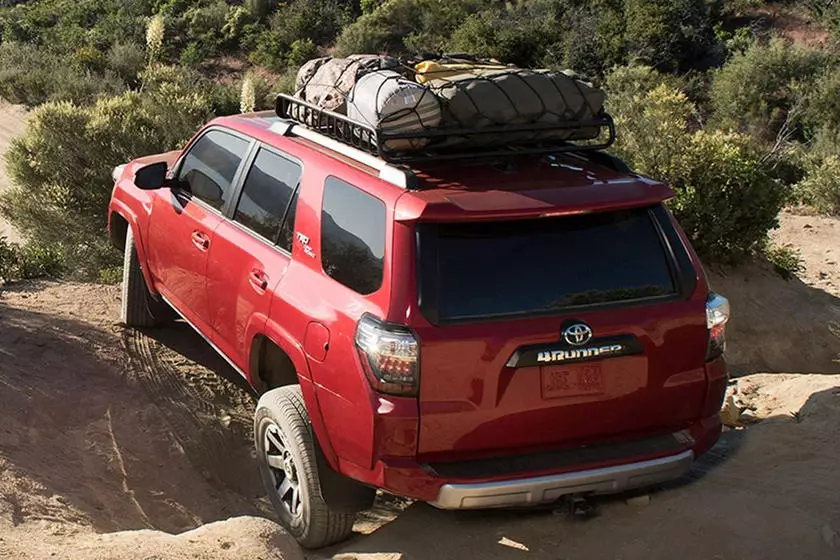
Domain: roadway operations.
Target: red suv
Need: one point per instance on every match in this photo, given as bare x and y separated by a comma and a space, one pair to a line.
473, 330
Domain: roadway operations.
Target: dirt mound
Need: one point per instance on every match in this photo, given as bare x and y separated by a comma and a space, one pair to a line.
784, 325
96, 436
241, 537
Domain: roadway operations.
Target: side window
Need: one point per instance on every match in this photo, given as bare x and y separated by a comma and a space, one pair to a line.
352, 236
211, 164
268, 189
287, 230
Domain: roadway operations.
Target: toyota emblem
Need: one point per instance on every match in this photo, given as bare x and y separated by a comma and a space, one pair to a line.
577, 334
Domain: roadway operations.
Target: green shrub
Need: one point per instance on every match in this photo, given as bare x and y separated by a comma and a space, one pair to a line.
301, 51
206, 25
127, 60
517, 33
260, 8
395, 26
61, 166
786, 260
194, 54
726, 200
820, 188
668, 34
757, 91
269, 51
33, 260
31, 76
110, 275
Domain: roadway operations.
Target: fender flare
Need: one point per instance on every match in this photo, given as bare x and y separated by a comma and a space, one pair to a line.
127, 214
281, 338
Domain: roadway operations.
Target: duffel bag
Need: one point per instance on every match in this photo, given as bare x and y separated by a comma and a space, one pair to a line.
389, 103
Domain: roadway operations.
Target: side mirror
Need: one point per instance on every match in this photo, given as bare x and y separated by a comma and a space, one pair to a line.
152, 176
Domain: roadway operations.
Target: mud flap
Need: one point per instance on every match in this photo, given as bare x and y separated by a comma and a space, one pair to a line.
339, 492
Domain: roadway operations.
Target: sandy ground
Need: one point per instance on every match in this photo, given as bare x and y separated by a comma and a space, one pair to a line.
12, 124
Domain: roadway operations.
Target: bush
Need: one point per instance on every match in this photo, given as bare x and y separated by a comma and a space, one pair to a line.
786, 260
668, 34
301, 51
31, 76
821, 186
726, 200
518, 33
395, 26
33, 260
757, 91
61, 166
127, 60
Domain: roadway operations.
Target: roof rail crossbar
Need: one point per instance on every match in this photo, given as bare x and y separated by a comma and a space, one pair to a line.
364, 137
402, 178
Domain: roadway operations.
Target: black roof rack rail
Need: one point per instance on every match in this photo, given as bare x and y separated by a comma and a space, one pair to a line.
369, 139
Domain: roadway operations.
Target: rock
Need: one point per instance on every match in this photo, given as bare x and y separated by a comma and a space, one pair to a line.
829, 535
731, 412
639, 501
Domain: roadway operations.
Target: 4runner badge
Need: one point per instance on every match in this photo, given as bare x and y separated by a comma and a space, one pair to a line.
553, 356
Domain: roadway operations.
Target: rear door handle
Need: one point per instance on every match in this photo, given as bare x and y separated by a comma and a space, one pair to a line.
200, 240
258, 280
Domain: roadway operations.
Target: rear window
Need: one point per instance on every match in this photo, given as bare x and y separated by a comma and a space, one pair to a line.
530, 267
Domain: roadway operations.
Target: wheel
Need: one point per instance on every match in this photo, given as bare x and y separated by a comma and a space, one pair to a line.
138, 308
288, 467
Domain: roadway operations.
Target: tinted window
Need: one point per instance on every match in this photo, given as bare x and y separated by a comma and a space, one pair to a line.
268, 188
352, 236
538, 266
287, 230
211, 164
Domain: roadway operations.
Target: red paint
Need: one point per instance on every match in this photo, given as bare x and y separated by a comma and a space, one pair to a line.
235, 287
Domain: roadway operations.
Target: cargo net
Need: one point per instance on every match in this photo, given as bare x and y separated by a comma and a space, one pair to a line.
446, 107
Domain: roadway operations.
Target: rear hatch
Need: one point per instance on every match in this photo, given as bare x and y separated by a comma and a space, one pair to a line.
556, 331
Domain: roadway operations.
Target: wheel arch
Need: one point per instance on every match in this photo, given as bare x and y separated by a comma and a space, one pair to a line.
120, 219
276, 360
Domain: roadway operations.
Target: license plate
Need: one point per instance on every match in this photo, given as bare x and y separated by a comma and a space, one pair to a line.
565, 381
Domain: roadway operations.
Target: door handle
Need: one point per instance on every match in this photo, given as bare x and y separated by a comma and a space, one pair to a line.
200, 240
258, 280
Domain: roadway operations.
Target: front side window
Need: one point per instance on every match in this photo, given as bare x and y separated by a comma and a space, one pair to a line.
210, 166
352, 236
266, 194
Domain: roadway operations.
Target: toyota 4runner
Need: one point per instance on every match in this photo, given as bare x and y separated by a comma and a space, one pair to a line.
496, 330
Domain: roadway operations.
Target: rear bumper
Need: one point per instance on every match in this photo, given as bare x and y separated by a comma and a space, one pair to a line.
545, 489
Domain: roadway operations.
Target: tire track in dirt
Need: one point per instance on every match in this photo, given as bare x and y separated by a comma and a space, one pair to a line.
212, 427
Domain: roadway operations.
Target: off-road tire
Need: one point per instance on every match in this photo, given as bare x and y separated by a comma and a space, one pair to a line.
138, 307
317, 525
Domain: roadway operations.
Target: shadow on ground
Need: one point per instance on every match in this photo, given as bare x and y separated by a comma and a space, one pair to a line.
92, 437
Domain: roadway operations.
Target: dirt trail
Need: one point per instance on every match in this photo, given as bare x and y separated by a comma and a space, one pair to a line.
96, 437
12, 124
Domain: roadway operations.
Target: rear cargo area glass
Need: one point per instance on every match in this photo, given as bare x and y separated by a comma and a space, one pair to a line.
538, 266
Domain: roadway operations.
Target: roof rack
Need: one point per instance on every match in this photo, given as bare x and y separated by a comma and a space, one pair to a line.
373, 141
395, 175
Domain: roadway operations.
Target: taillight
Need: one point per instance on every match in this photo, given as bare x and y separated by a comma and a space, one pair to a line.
390, 356
717, 315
